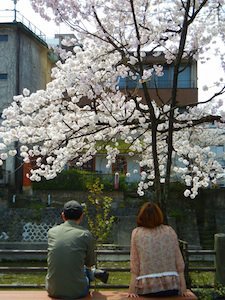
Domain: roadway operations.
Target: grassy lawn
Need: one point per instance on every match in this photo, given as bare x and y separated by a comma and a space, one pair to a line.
117, 277
22, 278
199, 278
202, 278
25, 278
39, 278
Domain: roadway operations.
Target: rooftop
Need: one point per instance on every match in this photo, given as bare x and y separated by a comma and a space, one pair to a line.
9, 15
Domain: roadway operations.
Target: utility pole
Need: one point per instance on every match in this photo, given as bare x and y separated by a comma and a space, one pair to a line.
15, 2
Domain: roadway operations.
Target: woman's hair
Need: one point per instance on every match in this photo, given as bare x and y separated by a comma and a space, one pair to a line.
150, 215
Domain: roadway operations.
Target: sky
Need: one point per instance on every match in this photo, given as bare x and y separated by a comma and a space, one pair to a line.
24, 8
207, 73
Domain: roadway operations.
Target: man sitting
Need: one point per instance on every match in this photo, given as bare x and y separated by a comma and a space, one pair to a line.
71, 256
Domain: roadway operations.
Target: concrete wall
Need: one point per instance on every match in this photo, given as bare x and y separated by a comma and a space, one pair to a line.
8, 66
34, 71
24, 57
195, 221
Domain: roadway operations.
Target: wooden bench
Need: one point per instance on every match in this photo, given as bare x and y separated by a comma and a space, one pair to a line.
101, 295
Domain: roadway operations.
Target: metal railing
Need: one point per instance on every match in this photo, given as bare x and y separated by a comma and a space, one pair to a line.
200, 269
10, 15
100, 254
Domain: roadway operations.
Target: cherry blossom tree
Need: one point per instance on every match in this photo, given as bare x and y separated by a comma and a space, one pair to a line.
83, 103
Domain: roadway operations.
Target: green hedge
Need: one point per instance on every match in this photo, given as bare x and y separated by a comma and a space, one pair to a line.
77, 180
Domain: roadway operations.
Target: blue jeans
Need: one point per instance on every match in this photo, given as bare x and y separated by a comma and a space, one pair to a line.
89, 277
89, 274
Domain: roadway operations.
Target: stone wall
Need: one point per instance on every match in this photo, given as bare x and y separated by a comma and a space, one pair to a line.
195, 221
31, 225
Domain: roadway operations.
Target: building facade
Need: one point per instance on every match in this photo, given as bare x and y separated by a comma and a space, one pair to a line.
24, 63
160, 87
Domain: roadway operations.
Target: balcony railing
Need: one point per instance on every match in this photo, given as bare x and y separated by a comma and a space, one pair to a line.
15, 16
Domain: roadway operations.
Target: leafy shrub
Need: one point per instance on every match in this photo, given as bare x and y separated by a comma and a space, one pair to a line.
98, 212
77, 180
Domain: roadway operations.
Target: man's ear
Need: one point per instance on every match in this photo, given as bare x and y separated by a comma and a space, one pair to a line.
81, 218
63, 216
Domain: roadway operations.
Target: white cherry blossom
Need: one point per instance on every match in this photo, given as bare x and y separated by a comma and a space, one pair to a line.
83, 111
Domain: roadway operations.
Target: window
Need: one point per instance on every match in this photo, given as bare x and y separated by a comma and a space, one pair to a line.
120, 165
3, 76
129, 83
87, 166
165, 81
3, 37
219, 151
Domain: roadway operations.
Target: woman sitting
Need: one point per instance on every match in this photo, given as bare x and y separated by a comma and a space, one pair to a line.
157, 265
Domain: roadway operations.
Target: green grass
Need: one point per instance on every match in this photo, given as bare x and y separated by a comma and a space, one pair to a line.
202, 278
117, 277
23, 278
39, 278
199, 278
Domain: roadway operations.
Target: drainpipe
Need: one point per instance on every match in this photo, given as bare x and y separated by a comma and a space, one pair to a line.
18, 168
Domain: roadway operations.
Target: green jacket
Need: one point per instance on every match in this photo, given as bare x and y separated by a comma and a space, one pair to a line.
70, 248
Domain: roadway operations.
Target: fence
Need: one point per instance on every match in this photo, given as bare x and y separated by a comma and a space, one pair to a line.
103, 255
42, 253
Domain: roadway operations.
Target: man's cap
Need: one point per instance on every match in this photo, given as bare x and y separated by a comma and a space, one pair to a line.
73, 205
